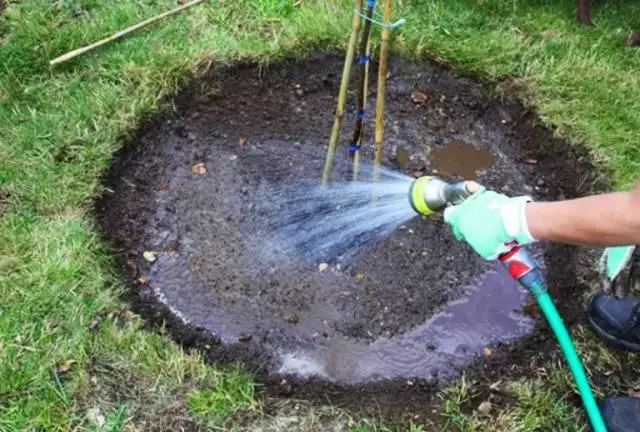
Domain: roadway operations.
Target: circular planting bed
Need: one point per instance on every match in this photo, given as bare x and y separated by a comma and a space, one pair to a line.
184, 210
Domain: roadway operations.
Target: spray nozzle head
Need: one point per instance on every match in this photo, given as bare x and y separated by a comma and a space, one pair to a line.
431, 194
417, 194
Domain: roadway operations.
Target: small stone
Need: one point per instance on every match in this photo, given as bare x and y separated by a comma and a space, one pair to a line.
233, 157
299, 92
191, 136
292, 318
485, 408
244, 337
285, 388
540, 182
199, 168
410, 383
242, 141
95, 417
150, 256
418, 97
142, 280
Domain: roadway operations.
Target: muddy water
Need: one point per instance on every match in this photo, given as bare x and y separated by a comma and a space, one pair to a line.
434, 350
461, 159
418, 304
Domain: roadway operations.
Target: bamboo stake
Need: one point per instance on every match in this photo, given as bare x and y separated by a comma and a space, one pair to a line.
382, 81
122, 33
342, 97
356, 156
362, 53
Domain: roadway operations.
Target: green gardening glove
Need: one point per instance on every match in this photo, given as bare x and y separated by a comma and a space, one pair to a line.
490, 222
616, 270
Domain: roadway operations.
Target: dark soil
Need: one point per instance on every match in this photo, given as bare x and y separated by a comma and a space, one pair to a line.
187, 186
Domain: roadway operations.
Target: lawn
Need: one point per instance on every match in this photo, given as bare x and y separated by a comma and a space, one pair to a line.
72, 354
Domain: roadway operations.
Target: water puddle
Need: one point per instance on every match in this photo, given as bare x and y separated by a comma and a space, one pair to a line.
466, 328
459, 159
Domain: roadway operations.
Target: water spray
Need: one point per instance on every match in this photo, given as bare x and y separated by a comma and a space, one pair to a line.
429, 195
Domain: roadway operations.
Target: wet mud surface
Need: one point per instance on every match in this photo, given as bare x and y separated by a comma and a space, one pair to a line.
417, 307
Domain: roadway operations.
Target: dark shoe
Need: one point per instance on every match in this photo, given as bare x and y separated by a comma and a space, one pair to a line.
617, 321
621, 414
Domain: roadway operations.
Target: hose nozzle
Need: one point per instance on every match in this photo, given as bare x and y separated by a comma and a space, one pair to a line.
430, 194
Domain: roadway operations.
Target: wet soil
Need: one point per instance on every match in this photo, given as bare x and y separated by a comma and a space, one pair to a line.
401, 317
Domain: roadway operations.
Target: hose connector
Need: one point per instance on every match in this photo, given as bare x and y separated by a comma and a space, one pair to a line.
429, 194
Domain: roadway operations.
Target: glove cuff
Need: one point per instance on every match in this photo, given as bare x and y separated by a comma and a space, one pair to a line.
514, 219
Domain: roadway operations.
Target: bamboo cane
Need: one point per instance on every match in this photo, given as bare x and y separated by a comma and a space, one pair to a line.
122, 33
362, 53
342, 97
356, 156
382, 80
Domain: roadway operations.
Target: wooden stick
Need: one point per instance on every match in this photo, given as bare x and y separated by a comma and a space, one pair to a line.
342, 97
382, 80
356, 156
118, 35
362, 52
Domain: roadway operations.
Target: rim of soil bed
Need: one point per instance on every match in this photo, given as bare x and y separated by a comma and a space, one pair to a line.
396, 397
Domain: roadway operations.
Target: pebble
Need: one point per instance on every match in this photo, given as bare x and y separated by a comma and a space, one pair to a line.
244, 337
292, 318
485, 408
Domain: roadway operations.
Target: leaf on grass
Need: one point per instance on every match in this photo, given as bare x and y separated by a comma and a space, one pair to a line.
242, 141
323, 266
360, 276
150, 256
199, 168
487, 352
142, 280
65, 366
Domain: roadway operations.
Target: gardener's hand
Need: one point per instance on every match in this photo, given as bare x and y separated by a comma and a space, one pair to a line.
489, 222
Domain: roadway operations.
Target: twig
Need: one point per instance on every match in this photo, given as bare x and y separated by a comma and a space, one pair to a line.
382, 80
118, 35
342, 97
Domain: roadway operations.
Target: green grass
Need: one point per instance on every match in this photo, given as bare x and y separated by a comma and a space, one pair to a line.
58, 290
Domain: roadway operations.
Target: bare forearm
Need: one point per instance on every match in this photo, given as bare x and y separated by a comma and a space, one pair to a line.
600, 220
